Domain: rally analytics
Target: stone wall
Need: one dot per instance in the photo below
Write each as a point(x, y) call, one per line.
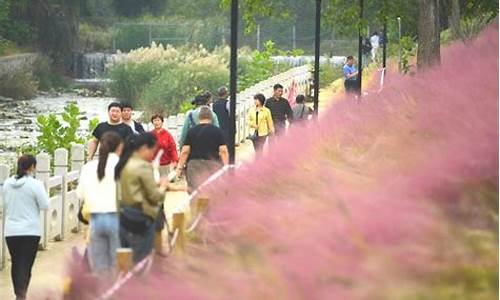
point(18, 63)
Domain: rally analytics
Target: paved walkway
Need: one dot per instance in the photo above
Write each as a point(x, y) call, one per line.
point(49, 268)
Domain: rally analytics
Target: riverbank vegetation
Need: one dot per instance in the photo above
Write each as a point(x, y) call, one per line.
point(165, 79)
point(59, 131)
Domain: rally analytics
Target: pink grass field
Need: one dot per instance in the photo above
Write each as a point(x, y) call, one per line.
point(393, 197)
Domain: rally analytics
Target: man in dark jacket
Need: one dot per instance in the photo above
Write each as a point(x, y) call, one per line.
point(280, 109)
point(127, 111)
point(221, 109)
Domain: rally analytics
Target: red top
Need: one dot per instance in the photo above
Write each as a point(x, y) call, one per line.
point(167, 143)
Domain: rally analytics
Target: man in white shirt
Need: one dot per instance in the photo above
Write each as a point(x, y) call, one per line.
point(375, 42)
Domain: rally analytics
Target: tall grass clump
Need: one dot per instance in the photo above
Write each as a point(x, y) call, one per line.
point(162, 79)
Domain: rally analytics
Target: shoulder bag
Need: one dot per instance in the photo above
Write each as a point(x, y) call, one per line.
point(255, 136)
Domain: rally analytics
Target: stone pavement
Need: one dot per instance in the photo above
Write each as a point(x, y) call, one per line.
point(49, 268)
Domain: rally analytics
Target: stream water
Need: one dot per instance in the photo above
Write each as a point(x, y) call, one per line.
point(18, 118)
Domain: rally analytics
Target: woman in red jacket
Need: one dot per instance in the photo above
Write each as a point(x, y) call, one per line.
point(166, 143)
point(168, 161)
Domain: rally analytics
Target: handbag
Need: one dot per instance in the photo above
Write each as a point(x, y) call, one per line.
point(255, 135)
point(134, 220)
point(84, 213)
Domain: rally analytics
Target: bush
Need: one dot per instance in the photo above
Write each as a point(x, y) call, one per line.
point(19, 86)
point(18, 32)
point(408, 50)
point(328, 74)
point(162, 79)
point(58, 132)
point(94, 38)
point(130, 79)
point(46, 75)
point(257, 67)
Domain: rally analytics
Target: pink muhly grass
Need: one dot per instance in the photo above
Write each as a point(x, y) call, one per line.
point(356, 206)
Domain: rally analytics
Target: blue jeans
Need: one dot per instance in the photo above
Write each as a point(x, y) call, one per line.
point(141, 244)
point(104, 240)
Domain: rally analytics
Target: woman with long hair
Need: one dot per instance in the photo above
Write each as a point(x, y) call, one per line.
point(141, 196)
point(261, 122)
point(24, 198)
point(97, 187)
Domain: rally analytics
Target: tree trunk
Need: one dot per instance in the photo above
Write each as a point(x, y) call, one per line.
point(455, 19)
point(428, 53)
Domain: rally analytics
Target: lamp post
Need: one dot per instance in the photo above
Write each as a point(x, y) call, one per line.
point(360, 48)
point(233, 80)
point(384, 46)
point(316, 57)
point(399, 43)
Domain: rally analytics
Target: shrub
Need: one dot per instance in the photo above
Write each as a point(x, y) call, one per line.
point(59, 132)
point(161, 79)
point(129, 79)
point(19, 86)
point(328, 73)
point(47, 77)
point(94, 38)
point(408, 50)
point(258, 67)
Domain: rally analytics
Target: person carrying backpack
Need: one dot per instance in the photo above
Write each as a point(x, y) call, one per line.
point(192, 118)
point(301, 111)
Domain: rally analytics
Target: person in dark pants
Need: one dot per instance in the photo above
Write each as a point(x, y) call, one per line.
point(280, 109)
point(204, 151)
point(24, 198)
point(221, 109)
point(350, 76)
point(260, 122)
point(140, 195)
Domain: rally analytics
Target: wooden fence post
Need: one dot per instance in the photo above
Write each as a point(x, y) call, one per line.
point(43, 174)
point(4, 174)
point(124, 260)
point(179, 223)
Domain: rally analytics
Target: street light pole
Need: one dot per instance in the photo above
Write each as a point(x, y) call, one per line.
point(316, 57)
point(360, 48)
point(399, 43)
point(384, 46)
point(233, 80)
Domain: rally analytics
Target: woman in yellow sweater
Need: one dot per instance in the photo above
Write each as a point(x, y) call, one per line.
point(260, 120)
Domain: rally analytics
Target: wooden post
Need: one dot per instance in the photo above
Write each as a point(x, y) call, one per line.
point(61, 169)
point(180, 225)
point(43, 174)
point(77, 157)
point(201, 205)
point(4, 174)
point(124, 260)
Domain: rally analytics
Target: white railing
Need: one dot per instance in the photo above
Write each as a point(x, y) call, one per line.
point(61, 218)
point(298, 77)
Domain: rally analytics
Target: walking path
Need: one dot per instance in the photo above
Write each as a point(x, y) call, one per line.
point(49, 268)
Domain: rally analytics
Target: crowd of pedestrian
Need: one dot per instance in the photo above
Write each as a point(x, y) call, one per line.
point(123, 189)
